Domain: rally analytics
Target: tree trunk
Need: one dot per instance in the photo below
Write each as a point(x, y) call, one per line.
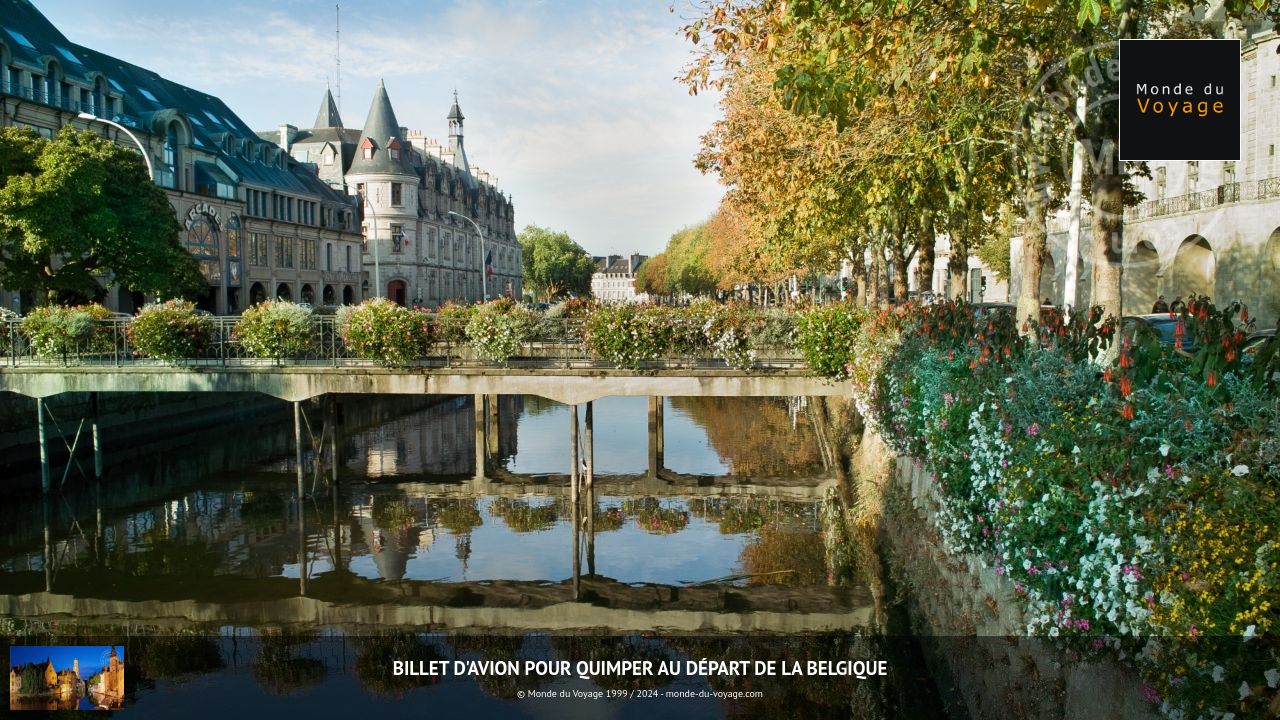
point(1034, 234)
point(1108, 242)
point(875, 272)
point(901, 277)
point(924, 269)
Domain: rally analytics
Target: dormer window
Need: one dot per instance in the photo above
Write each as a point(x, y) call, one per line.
point(366, 149)
point(393, 147)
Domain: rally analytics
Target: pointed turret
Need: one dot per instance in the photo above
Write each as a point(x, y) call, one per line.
point(381, 149)
point(328, 116)
point(455, 141)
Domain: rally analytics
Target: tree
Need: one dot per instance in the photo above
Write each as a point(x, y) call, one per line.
point(79, 212)
point(651, 276)
point(554, 264)
point(687, 270)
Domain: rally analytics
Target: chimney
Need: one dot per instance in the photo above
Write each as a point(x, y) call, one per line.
point(287, 134)
point(636, 261)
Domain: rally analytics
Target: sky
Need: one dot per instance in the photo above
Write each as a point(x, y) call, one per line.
point(571, 105)
point(92, 658)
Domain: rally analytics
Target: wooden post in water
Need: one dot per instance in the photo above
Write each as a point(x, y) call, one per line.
point(574, 509)
point(591, 530)
point(297, 444)
point(97, 439)
point(44, 448)
point(654, 404)
point(480, 444)
point(590, 449)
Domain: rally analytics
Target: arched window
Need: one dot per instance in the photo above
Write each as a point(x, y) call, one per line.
point(171, 146)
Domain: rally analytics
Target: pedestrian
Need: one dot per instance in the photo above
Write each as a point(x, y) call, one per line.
point(1160, 306)
point(1177, 305)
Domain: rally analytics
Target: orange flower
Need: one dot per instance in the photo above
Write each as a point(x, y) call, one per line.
point(1212, 380)
point(1126, 386)
point(1126, 412)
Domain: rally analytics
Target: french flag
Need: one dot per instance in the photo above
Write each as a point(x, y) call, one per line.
point(488, 264)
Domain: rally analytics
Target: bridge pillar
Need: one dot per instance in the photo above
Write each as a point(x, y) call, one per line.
point(573, 447)
point(479, 400)
point(590, 449)
point(97, 439)
point(44, 447)
point(297, 444)
point(655, 437)
point(491, 429)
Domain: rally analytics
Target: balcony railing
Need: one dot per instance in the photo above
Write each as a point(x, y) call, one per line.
point(67, 103)
point(1225, 194)
point(557, 343)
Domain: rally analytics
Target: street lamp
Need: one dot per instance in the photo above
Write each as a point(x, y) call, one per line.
point(377, 266)
point(484, 269)
point(146, 157)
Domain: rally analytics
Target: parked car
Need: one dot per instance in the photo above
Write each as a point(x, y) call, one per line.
point(990, 308)
point(1165, 325)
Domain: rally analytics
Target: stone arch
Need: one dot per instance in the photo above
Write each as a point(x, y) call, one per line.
point(330, 297)
point(284, 292)
point(348, 295)
point(398, 291)
point(308, 294)
point(1141, 282)
point(1195, 268)
point(257, 293)
point(1050, 285)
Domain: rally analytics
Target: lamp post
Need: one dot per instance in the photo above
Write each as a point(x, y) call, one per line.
point(377, 266)
point(146, 158)
point(484, 269)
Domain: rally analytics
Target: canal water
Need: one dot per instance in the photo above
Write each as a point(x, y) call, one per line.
point(703, 536)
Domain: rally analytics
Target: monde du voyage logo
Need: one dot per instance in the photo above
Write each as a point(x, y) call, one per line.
point(1180, 100)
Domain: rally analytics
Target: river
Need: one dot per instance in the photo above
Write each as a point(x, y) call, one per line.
point(238, 596)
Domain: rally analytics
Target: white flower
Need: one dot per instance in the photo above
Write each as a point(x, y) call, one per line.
point(1245, 690)
point(1164, 450)
point(1250, 633)
point(1219, 673)
point(1240, 470)
point(1273, 677)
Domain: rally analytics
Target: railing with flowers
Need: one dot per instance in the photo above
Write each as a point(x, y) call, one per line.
point(545, 343)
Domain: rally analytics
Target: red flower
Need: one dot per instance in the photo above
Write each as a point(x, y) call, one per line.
point(1126, 386)
point(1212, 380)
point(1107, 375)
point(1126, 412)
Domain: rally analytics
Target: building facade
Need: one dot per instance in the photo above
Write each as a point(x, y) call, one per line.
point(614, 280)
point(427, 213)
point(261, 224)
point(1205, 227)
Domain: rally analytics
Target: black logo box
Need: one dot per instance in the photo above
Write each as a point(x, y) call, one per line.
point(1180, 65)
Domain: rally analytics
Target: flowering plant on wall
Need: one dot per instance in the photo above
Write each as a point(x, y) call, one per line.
point(56, 331)
point(383, 331)
point(275, 329)
point(498, 329)
point(170, 331)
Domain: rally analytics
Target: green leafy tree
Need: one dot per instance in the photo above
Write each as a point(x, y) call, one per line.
point(554, 265)
point(79, 212)
point(651, 276)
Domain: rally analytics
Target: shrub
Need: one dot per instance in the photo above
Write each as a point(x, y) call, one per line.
point(627, 335)
point(728, 330)
point(275, 329)
point(452, 320)
point(498, 329)
point(58, 331)
point(380, 330)
point(170, 331)
point(825, 336)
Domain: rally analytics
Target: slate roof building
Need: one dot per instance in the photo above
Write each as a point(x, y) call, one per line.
point(615, 279)
point(261, 224)
point(416, 252)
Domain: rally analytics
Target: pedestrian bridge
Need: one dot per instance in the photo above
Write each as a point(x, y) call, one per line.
point(295, 383)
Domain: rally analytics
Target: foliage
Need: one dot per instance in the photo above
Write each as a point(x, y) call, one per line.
point(1133, 507)
point(56, 331)
point(498, 329)
point(170, 331)
point(825, 335)
point(652, 516)
point(554, 265)
point(626, 335)
point(383, 331)
point(8, 326)
point(275, 329)
point(79, 206)
point(452, 319)
point(994, 253)
point(651, 277)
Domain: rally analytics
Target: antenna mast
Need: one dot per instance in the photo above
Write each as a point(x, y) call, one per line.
point(337, 50)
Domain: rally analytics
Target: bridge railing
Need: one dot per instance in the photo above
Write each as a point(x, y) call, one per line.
point(557, 342)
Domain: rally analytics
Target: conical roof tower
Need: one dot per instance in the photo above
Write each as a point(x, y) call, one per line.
point(381, 149)
point(328, 116)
